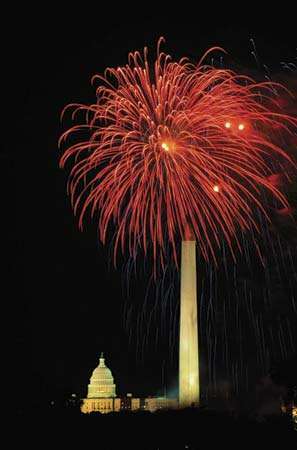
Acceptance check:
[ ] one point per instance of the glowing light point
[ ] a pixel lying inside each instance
(165, 147)
(216, 188)
(241, 126)
(228, 124)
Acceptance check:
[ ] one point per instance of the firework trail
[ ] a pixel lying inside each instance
(172, 146)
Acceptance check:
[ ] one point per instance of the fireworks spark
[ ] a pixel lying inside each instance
(170, 147)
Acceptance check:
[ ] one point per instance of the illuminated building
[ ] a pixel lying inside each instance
(129, 403)
(101, 382)
(102, 396)
(153, 404)
(101, 391)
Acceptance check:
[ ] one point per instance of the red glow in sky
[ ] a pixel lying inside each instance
(168, 148)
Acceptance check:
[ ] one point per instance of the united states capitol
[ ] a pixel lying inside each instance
(102, 397)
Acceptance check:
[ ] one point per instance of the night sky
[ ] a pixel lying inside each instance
(67, 302)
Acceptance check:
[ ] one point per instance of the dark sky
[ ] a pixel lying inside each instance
(67, 302)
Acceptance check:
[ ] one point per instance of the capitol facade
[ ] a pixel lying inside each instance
(102, 396)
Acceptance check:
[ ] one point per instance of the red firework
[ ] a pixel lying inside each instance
(170, 147)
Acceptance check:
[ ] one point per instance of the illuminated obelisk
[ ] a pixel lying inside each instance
(188, 333)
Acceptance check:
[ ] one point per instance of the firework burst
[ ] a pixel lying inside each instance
(170, 147)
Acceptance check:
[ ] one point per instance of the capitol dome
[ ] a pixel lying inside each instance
(101, 382)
